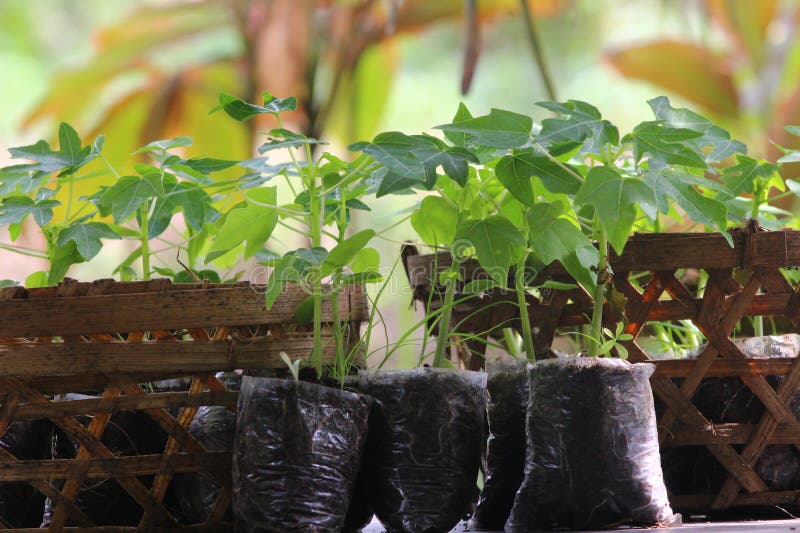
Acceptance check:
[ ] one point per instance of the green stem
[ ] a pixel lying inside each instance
(144, 238)
(759, 198)
(527, 335)
(443, 338)
(70, 192)
(315, 232)
(511, 342)
(599, 295)
(338, 334)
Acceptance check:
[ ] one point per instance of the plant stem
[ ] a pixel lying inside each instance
(599, 295)
(759, 197)
(144, 238)
(70, 192)
(447, 312)
(511, 342)
(527, 335)
(536, 47)
(315, 232)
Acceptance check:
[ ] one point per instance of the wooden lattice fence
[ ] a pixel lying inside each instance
(743, 281)
(109, 338)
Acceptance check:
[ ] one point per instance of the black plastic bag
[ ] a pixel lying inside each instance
(592, 458)
(21, 505)
(104, 501)
(424, 446)
(507, 402)
(296, 455)
(195, 493)
(214, 427)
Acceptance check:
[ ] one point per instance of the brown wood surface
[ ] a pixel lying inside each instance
(48, 359)
(37, 315)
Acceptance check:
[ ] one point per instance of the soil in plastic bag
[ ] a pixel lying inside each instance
(21, 505)
(593, 456)
(693, 470)
(359, 513)
(507, 402)
(296, 455)
(424, 446)
(194, 494)
(103, 500)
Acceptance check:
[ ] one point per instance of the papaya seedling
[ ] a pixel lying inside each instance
(326, 189)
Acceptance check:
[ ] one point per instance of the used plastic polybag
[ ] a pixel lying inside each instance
(424, 446)
(507, 402)
(214, 427)
(593, 457)
(296, 455)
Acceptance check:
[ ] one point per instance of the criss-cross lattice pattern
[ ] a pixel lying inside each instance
(649, 285)
(110, 338)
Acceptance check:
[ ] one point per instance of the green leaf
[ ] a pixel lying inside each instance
(678, 185)
(21, 182)
(554, 238)
(743, 176)
(395, 151)
(252, 224)
(581, 125)
(244, 111)
(165, 144)
(462, 115)
(128, 194)
(36, 280)
(666, 145)
(515, 172)
(63, 258)
(286, 139)
(498, 244)
(304, 312)
(188, 197)
(715, 142)
(67, 160)
(614, 198)
(366, 260)
(212, 276)
(498, 129)
(435, 221)
(87, 237)
(207, 165)
(15, 208)
(289, 269)
(8, 283)
(346, 251)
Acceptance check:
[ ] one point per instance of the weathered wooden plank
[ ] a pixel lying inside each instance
(703, 501)
(681, 368)
(161, 400)
(174, 309)
(38, 359)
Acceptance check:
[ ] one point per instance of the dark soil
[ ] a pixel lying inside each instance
(424, 446)
(593, 457)
(507, 393)
(296, 455)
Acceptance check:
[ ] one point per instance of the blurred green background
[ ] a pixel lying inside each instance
(139, 70)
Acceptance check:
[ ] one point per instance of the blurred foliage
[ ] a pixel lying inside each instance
(158, 69)
(744, 68)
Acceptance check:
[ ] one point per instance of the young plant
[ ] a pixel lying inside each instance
(138, 206)
(326, 189)
(468, 213)
(570, 193)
